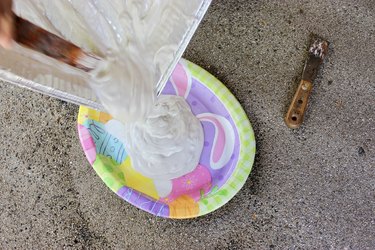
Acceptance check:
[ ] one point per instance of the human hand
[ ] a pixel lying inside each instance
(6, 23)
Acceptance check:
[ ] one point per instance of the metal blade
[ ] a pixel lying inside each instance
(317, 52)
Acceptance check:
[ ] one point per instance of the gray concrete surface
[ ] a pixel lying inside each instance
(313, 188)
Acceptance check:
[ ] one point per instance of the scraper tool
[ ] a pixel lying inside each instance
(317, 52)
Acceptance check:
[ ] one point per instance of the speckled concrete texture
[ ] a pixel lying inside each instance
(311, 188)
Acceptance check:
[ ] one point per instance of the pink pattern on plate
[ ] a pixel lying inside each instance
(192, 184)
(87, 143)
(219, 142)
(181, 80)
(223, 143)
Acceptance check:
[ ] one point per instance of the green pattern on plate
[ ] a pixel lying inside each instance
(108, 170)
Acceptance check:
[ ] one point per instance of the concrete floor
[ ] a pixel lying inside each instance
(312, 188)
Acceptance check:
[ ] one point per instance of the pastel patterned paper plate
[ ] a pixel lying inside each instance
(225, 163)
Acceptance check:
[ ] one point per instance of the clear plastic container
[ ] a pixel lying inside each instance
(47, 78)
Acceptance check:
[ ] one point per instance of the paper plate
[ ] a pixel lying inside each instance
(225, 163)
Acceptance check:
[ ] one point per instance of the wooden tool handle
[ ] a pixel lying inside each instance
(296, 111)
(40, 40)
